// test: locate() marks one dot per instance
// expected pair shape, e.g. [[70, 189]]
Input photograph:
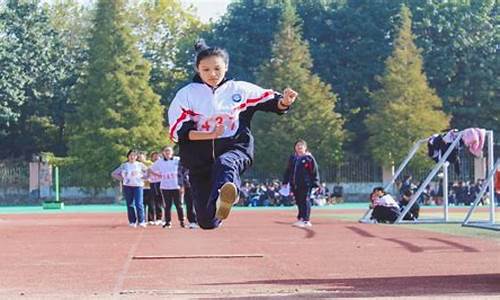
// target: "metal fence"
[[14, 182], [349, 170], [14, 174], [19, 187], [15, 178], [355, 170]]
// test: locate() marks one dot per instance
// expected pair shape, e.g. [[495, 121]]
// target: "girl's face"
[[132, 157], [168, 153], [154, 157], [300, 148], [212, 70]]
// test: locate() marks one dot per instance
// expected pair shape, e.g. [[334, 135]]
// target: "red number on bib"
[[205, 126]]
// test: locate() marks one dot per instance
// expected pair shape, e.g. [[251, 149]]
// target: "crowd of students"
[[254, 193], [152, 184], [460, 192]]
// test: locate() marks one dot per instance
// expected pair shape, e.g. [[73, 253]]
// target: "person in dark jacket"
[[414, 211], [155, 212], [210, 120], [302, 175]]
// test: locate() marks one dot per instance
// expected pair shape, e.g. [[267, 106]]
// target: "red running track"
[[90, 255]]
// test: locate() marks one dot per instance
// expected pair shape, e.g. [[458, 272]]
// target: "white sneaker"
[[133, 225], [151, 222], [193, 226], [308, 224], [228, 195], [143, 224], [158, 223]]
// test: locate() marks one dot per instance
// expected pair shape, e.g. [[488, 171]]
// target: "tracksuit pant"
[[154, 202], [188, 200], [303, 200], [135, 205], [228, 167], [169, 197], [385, 214]]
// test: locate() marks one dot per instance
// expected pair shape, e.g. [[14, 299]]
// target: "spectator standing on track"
[[132, 174], [147, 195], [156, 212], [302, 174], [170, 170]]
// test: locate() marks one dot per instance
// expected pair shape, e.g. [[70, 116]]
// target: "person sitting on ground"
[[414, 211], [386, 209], [373, 198]]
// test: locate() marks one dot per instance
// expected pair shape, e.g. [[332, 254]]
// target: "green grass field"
[[435, 212]]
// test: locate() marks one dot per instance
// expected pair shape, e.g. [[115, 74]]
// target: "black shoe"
[[182, 224], [167, 225]]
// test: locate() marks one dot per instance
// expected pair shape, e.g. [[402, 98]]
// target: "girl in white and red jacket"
[[210, 120], [302, 175]]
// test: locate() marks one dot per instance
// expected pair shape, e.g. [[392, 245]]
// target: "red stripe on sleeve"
[[182, 117], [254, 101]]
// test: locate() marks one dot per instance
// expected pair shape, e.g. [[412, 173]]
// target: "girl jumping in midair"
[[210, 120]]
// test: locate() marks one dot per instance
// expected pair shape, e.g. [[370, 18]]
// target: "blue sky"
[[207, 9]]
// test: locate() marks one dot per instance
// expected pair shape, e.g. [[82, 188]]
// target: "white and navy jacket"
[[198, 106], [302, 172]]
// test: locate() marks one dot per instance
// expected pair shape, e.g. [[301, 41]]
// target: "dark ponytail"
[[203, 51], [200, 45]]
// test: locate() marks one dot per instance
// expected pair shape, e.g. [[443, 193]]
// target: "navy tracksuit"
[[302, 174], [188, 197], [212, 163]]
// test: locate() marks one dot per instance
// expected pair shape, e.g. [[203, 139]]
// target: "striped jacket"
[[197, 106]]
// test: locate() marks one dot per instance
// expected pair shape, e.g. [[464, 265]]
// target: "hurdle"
[[441, 164], [491, 222], [366, 217]]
